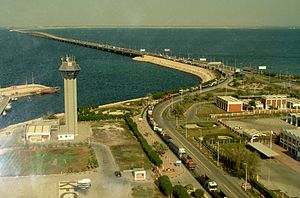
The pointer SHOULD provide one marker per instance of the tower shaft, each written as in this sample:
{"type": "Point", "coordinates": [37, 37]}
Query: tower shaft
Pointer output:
{"type": "Point", "coordinates": [69, 70]}
{"type": "Point", "coordinates": [70, 97]}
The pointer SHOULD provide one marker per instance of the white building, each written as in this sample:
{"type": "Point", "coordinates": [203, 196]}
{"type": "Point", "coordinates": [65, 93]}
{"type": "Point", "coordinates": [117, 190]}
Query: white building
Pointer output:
{"type": "Point", "coordinates": [290, 140]}
{"type": "Point", "coordinates": [229, 103]}
{"type": "Point", "coordinates": [38, 133]}
{"type": "Point", "coordinates": [293, 103]}
{"type": "Point", "coordinates": [293, 118]}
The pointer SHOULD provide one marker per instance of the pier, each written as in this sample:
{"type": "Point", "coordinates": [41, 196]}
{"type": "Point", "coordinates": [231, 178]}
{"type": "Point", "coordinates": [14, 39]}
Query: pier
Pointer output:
{"type": "Point", "coordinates": [3, 103]}
{"type": "Point", "coordinates": [26, 90]}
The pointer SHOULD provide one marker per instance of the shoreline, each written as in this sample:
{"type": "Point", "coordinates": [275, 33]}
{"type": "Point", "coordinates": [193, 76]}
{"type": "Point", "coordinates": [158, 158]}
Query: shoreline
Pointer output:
{"type": "Point", "coordinates": [12, 126]}
{"type": "Point", "coordinates": [204, 74]}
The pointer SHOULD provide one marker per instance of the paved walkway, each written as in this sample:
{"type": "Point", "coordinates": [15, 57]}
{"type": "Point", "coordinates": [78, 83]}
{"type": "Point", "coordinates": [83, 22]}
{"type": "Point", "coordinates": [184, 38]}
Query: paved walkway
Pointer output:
{"type": "Point", "coordinates": [286, 159]}
{"type": "Point", "coordinates": [178, 175]}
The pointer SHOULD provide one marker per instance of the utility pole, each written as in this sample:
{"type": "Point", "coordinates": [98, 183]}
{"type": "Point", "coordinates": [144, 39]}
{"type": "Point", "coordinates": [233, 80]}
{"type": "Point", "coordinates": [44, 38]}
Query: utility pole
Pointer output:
{"type": "Point", "coordinates": [181, 97]}
{"type": "Point", "coordinates": [200, 140]}
{"type": "Point", "coordinates": [218, 160]}
{"type": "Point", "coordinates": [271, 133]}
{"type": "Point", "coordinates": [246, 179]}
{"type": "Point", "coordinates": [186, 135]}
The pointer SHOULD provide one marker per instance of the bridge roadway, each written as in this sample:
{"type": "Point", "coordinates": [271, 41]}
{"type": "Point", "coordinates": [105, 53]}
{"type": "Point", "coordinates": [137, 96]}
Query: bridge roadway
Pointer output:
{"type": "Point", "coordinates": [103, 47]}
{"type": "Point", "coordinates": [129, 52]}
{"type": "Point", "coordinates": [229, 185]}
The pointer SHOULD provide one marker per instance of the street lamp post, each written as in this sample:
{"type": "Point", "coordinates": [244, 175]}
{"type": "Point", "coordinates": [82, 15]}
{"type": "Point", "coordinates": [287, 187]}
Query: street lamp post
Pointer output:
{"type": "Point", "coordinates": [246, 179]}
{"type": "Point", "coordinates": [218, 160]}
{"type": "Point", "coordinates": [186, 129]}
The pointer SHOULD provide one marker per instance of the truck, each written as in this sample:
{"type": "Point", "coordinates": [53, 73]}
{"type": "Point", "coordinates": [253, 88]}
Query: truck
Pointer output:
{"type": "Point", "coordinates": [167, 139]}
{"type": "Point", "coordinates": [177, 150]}
{"type": "Point", "coordinates": [157, 128]}
{"type": "Point", "coordinates": [188, 162]}
{"type": "Point", "coordinates": [84, 184]}
{"type": "Point", "coordinates": [207, 183]}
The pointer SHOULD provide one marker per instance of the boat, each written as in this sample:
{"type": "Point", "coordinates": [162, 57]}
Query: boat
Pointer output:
{"type": "Point", "coordinates": [48, 90]}
{"type": "Point", "coordinates": [8, 107]}
{"type": "Point", "coordinates": [4, 113]}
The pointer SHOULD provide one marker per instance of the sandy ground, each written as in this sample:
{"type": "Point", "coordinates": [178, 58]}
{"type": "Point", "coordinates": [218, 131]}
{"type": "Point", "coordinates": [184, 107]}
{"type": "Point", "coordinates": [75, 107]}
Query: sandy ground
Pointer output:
{"type": "Point", "coordinates": [204, 74]}
{"type": "Point", "coordinates": [21, 90]}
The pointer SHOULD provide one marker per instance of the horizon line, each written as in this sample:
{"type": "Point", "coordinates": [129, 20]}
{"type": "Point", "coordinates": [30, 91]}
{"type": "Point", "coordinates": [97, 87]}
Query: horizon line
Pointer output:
{"type": "Point", "coordinates": [153, 26]}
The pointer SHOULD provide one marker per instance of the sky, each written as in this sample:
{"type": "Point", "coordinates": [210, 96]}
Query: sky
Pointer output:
{"type": "Point", "coordinates": [220, 13]}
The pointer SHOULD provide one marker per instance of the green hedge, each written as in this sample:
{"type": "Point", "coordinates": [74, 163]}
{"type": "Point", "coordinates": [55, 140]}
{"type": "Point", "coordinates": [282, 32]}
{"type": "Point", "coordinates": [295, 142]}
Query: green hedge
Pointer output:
{"type": "Point", "coordinates": [261, 188]}
{"type": "Point", "coordinates": [180, 192]}
{"type": "Point", "coordinates": [94, 117]}
{"type": "Point", "coordinates": [165, 185]}
{"type": "Point", "coordinates": [152, 155]}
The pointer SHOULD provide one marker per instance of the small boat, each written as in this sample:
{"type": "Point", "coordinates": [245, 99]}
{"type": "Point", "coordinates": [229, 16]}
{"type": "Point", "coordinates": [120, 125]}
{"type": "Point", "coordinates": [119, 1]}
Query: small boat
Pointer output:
{"type": "Point", "coordinates": [14, 99]}
{"type": "Point", "coordinates": [4, 113]}
{"type": "Point", "coordinates": [8, 107]}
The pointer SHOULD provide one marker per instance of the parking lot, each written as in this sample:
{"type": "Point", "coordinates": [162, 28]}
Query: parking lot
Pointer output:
{"type": "Point", "coordinates": [280, 172]}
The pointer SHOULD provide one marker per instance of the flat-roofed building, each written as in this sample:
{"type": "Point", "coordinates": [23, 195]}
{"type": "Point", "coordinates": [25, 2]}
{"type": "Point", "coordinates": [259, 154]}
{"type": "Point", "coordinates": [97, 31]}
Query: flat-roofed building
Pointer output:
{"type": "Point", "coordinates": [293, 118]}
{"type": "Point", "coordinates": [38, 133]}
{"type": "Point", "coordinates": [290, 140]}
{"type": "Point", "coordinates": [293, 103]}
{"type": "Point", "coordinates": [229, 103]}
{"type": "Point", "coordinates": [247, 105]}
{"type": "Point", "coordinates": [274, 101]}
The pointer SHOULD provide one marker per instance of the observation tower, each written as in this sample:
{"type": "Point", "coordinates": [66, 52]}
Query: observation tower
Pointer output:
{"type": "Point", "coordinates": [69, 70]}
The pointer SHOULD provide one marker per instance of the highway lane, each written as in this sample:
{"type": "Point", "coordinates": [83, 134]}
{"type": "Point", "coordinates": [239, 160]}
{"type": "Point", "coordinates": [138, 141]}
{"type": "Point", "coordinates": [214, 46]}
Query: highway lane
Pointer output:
{"type": "Point", "coordinates": [228, 184]}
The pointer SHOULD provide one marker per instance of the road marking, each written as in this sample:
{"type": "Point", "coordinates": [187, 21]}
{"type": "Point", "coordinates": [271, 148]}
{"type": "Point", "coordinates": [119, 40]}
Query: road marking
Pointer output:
{"type": "Point", "coordinates": [224, 186]}
{"type": "Point", "coordinates": [66, 189]}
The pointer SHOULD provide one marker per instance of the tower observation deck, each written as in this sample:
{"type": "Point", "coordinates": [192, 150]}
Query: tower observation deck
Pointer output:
{"type": "Point", "coordinates": [69, 70]}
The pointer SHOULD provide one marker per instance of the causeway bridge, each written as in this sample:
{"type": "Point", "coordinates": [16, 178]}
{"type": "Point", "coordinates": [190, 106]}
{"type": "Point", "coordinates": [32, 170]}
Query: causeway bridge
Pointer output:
{"type": "Point", "coordinates": [224, 69]}
{"type": "Point", "coordinates": [103, 47]}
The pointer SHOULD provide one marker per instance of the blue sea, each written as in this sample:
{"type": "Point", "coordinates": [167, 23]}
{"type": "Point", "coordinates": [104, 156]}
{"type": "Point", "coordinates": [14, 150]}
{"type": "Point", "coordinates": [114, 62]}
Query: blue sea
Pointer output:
{"type": "Point", "coordinates": [107, 77]}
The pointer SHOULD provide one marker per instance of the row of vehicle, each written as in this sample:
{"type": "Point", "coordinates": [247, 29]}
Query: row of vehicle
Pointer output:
{"type": "Point", "coordinates": [210, 186]}
{"type": "Point", "coordinates": [178, 151]}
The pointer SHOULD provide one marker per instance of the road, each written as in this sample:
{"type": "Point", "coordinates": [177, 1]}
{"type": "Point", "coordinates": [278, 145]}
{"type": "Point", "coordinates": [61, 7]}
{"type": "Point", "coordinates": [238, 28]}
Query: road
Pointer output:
{"type": "Point", "coordinates": [230, 185]}
{"type": "Point", "coordinates": [104, 182]}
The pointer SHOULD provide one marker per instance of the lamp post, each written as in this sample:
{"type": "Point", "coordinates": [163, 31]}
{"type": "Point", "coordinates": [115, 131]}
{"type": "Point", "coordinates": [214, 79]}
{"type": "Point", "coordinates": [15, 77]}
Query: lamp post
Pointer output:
{"type": "Point", "coordinates": [186, 129]}
{"type": "Point", "coordinates": [218, 160]}
{"type": "Point", "coordinates": [246, 179]}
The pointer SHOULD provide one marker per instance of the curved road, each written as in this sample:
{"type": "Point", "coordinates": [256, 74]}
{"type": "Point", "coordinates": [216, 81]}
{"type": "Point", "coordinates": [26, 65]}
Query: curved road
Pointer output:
{"type": "Point", "coordinates": [230, 185]}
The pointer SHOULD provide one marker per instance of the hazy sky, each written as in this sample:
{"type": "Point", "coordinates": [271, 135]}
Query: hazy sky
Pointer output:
{"type": "Point", "coordinates": [150, 12]}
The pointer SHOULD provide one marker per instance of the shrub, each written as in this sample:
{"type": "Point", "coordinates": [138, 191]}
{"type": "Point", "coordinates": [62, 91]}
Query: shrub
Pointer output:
{"type": "Point", "coordinates": [165, 185]}
{"type": "Point", "coordinates": [198, 193]}
{"type": "Point", "coordinates": [152, 155]}
{"type": "Point", "coordinates": [180, 192]}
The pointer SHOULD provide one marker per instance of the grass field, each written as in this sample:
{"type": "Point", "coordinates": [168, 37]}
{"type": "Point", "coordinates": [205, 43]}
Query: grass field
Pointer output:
{"type": "Point", "coordinates": [130, 156]}
{"type": "Point", "coordinates": [40, 161]}
{"type": "Point", "coordinates": [206, 109]}
{"type": "Point", "coordinates": [149, 192]}
{"type": "Point", "coordinates": [125, 148]}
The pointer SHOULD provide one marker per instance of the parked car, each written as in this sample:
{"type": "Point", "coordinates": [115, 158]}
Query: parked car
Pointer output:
{"type": "Point", "coordinates": [118, 174]}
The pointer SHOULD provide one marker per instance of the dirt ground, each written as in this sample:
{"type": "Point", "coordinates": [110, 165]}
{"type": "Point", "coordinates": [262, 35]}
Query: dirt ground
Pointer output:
{"type": "Point", "coordinates": [111, 133]}
{"type": "Point", "coordinates": [125, 148]}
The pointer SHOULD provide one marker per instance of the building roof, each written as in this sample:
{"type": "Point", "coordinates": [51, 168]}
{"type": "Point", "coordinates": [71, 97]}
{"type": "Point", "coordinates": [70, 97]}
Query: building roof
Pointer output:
{"type": "Point", "coordinates": [38, 129]}
{"type": "Point", "coordinates": [297, 115]}
{"type": "Point", "coordinates": [281, 96]}
{"type": "Point", "coordinates": [294, 101]}
{"type": "Point", "coordinates": [253, 132]}
{"type": "Point", "coordinates": [230, 99]}
{"type": "Point", "coordinates": [263, 149]}
{"type": "Point", "coordinates": [294, 132]}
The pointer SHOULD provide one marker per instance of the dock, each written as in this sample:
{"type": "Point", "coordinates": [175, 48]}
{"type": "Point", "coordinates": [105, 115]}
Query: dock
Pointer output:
{"type": "Point", "coordinates": [3, 103]}
{"type": "Point", "coordinates": [26, 90]}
